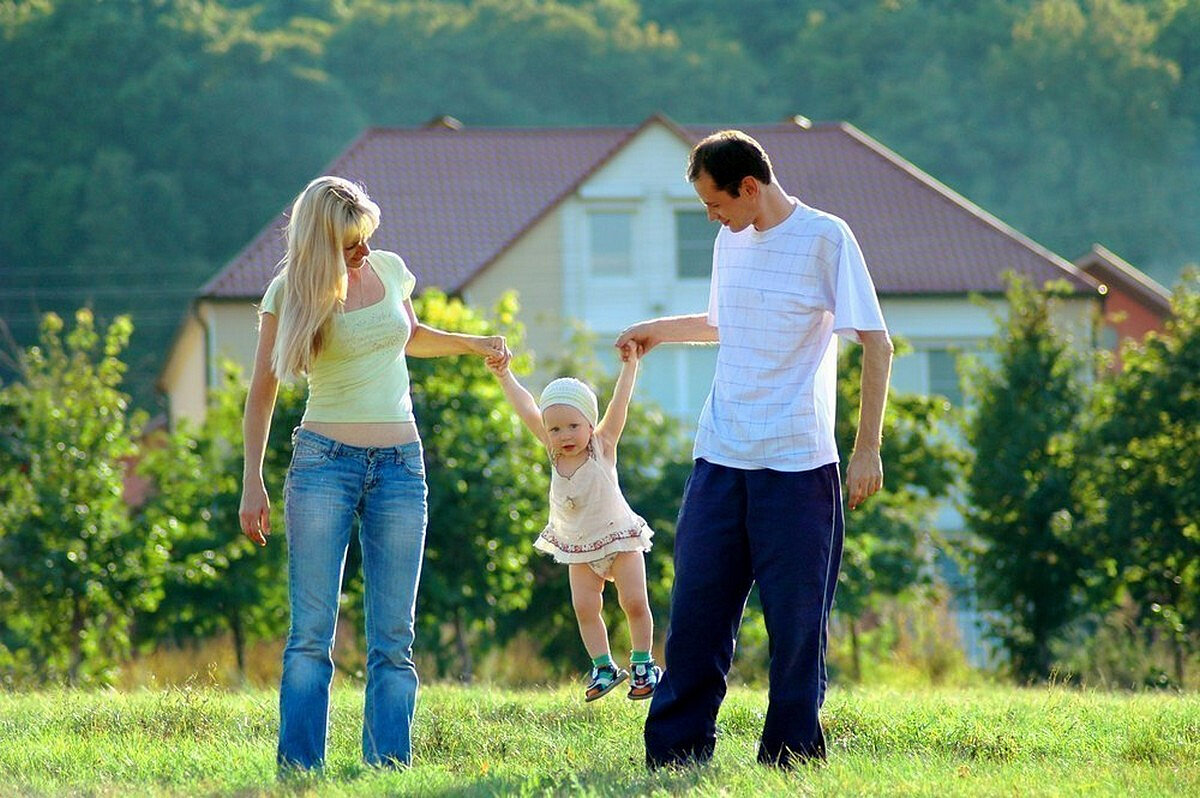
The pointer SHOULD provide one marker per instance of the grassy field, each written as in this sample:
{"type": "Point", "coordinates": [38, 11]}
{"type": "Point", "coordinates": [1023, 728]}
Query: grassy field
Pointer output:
{"type": "Point", "coordinates": [479, 741]}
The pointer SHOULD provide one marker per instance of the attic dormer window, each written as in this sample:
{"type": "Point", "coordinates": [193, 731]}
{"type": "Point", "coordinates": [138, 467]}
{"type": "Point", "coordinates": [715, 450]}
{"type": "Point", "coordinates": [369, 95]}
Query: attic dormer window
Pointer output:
{"type": "Point", "coordinates": [610, 236]}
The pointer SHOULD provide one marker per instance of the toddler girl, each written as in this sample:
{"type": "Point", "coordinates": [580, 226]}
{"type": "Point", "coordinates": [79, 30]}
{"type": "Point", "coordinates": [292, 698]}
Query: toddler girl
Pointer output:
{"type": "Point", "coordinates": [592, 528]}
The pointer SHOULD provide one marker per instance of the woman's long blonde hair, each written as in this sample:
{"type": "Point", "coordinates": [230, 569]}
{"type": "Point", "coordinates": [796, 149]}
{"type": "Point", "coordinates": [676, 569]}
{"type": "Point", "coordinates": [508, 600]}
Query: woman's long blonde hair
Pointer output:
{"type": "Point", "coordinates": [329, 214]}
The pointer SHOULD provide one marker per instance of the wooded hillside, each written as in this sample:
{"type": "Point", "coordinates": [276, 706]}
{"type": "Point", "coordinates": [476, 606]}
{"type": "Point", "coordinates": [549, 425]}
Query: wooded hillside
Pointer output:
{"type": "Point", "coordinates": [145, 141]}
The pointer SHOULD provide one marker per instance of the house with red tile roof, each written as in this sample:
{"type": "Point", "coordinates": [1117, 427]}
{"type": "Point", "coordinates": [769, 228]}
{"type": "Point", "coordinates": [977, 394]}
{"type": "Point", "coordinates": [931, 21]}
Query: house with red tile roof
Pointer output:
{"type": "Point", "coordinates": [599, 225]}
{"type": "Point", "coordinates": [1134, 303]}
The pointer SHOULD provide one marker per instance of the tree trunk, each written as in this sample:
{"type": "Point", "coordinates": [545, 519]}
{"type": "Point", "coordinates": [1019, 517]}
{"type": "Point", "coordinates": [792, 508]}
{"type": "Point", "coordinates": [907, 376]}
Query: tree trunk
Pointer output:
{"type": "Point", "coordinates": [855, 655]}
{"type": "Point", "coordinates": [239, 643]}
{"type": "Point", "coordinates": [1179, 660]}
{"type": "Point", "coordinates": [77, 621]}
{"type": "Point", "coordinates": [466, 669]}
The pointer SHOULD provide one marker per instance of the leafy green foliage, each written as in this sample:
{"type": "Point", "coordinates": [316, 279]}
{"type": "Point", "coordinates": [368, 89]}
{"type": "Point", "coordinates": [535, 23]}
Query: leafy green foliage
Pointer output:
{"type": "Point", "coordinates": [485, 491]}
{"type": "Point", "coordinates": [216, 580]}
{"type": "Point", "coordinates": [1032, 109]}
{"type": "Point", "coordinates": [144, 143]}
{"type": "Point", "coordinates": [72, 566]}
{"type": "Point", "coordinates": [889, 549]}
{"type": "Point", "coordinates": [523, 62]}
{"type": "Point", "coordinates": [1021, 505]}
{"type": "Point", "coordinates": [1145, 465]}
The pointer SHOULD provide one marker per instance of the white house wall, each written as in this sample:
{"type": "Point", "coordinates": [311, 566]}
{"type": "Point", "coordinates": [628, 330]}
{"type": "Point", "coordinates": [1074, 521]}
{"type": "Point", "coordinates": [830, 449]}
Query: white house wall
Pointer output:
{"type": "Point", "coordinates": [215, 331]}
{"type": "Point", "coordinates": [647, 179]}
{"type": "Point", "coordinates": [958, 323]}
{"type": "Point", "coordinates": [233, 331]}
{"type": "Point", "coordinates": [532, 268]}
{"type": "Point", "coordinates": [184, 379]}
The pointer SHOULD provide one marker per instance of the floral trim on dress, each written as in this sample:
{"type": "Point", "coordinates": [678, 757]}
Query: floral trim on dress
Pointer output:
{"type": "Point", "coordinates": [595, 545]}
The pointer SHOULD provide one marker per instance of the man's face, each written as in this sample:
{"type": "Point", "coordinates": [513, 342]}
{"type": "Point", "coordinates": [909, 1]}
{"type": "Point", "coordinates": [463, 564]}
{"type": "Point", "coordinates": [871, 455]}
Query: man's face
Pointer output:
{"type": "Point", "coordinates": [736, 213]}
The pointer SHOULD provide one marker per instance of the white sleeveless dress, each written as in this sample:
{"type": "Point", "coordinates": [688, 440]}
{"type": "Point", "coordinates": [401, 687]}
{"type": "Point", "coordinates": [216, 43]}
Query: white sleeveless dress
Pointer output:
{"type": "Point", "coordinates": [590, 521]}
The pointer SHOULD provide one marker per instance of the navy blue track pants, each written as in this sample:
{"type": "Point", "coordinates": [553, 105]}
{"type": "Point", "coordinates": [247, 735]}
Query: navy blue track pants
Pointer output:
{"type": "Point", "coordinates": [783, 530]}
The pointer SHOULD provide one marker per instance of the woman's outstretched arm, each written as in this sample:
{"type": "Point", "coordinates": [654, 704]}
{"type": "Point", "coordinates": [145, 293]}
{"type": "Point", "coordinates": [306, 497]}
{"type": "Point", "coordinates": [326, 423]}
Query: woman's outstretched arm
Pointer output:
{"type": "Point", "coordinates": [427, 341]}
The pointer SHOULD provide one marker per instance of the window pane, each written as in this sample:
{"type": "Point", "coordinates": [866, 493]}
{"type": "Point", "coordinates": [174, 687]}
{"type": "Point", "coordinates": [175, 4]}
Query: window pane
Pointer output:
{"type": "Point", "coordinates": [943, 375]}
{"type": "Point", "coordinates": [694, 235]}
{"type": "Point", "coordinates": [611, 235]}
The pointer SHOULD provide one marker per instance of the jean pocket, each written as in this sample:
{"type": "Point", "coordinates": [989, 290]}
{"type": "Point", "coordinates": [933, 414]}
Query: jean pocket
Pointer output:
{"type": "Point", "coordinates": [306, 454]}
{"type": "Point", "coordinates": [414, 466]}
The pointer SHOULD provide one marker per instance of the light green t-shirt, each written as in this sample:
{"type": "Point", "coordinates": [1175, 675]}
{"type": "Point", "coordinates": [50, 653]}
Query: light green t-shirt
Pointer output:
{"type": "Point", "coordinates": [361, 373]}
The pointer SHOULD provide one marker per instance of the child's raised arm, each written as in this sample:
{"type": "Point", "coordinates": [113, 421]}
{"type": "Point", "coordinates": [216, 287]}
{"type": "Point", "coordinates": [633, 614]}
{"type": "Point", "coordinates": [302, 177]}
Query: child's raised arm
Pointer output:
{"type": "Point", "coordinates": [609, 430]}
{"type": "Point", "coordinates": [520, 398]}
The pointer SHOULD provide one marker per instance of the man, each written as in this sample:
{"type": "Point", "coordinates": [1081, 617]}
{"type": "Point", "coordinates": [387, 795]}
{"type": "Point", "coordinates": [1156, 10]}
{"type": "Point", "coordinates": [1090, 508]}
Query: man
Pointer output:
{"type": "Point", "coordinates": [763, 502]}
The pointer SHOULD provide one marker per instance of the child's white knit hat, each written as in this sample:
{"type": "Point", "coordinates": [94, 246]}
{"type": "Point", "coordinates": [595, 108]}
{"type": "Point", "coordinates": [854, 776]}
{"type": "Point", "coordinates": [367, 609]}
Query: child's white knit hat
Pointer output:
{"type": "Point", "coordinates": [572, 393]}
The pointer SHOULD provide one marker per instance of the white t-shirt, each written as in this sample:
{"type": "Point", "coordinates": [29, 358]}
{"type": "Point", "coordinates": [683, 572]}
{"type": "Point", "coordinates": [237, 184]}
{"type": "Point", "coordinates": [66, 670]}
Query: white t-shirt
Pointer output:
{"type": "Point", "coordinates": [777, 297]}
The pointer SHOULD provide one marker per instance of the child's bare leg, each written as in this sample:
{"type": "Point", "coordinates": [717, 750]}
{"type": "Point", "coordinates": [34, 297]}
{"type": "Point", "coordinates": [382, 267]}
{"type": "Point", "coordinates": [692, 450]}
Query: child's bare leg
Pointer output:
{"type": "Point", "coordinates": [629, 574]}
{"type": "Point", "coordinates": [587, 597]}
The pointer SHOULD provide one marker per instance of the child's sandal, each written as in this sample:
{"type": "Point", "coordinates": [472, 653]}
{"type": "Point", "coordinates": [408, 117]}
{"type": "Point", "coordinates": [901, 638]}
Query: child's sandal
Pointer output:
{"type": "Point", "coordinates": [645, 679]}
{"type": "Point", "coordinates": [604, 679]}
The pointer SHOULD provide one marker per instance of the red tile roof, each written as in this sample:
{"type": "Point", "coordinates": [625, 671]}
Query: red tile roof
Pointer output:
{"type": "Point", "coordinates": [452, 200]}
{"type": "Point", "coordinates": [918, 235]}
{"type": "Point", "coordinates": [455, 199]}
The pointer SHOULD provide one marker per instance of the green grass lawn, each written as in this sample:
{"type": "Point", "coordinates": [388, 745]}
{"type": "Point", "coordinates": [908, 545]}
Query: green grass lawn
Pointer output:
{"type": "Point", "coordinates": [480, 741]}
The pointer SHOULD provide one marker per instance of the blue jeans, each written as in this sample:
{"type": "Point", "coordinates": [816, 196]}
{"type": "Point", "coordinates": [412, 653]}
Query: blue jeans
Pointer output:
{"type": "Point", "coordinates": [783, 530]}
{"type": "Point", "coordinates": [329, 484]}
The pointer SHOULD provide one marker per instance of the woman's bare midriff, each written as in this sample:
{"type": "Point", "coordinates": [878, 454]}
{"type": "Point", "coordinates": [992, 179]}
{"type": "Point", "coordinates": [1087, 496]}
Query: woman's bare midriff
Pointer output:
{"type": "Point", "coordinates": [382, 433]}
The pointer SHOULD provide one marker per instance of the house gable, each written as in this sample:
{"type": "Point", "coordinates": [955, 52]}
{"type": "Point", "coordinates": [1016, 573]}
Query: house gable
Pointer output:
{"type": "Point", "coordinates": [1134, 304]}
{"type": "Point", "coordinates": [452, 200]}
{"type": "Point", "coordinates": [641, 188]}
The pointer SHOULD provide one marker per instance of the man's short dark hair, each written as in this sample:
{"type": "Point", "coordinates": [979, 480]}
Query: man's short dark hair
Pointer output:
{"type": "Point", "coordinates": [728, 157]}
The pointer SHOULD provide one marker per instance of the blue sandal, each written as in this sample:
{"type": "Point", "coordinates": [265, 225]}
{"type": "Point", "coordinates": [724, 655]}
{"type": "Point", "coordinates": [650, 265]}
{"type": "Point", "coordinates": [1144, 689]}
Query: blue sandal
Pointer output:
{"type": "Point", "coordinates": [604, 679]}
{"type": "Point", "coordinates": [645, 679]}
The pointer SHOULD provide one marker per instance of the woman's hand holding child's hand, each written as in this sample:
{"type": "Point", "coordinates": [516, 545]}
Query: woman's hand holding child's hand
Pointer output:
{"type": "Point", "coordinates": [495, 353]}
{"type": "Point", "coordinates": [489, 346]}
{"type": "Point", "coordinates": [630, 353]}
{"type": "Point", "coordinates": [498, 365]}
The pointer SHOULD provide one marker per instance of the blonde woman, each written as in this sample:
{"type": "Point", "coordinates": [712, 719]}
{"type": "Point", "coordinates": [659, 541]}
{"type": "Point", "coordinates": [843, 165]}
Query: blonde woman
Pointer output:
{"type": "Point", "coordinates": [341, 315]}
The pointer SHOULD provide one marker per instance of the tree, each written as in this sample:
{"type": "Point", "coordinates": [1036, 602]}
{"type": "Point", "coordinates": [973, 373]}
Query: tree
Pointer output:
{"type": "Point", "coordinates": [889, 550]}
{"type": "Point", "coordinates": [72, 567]}
{"type": "Point", "coordinates": [1021, 507]}
{"type": "Point", "coordinates": [143, 144]}
{"type": "Point", "coordinates": [483, 60]}
{"type": "Point", "coordinates": [215, 579]}
{"type": "Point", "coordinates": [483, 491]}
{"type": "Point", "coordinates": [1143, 472]}
{"type": "Point", "coordinates": [1083, 80]}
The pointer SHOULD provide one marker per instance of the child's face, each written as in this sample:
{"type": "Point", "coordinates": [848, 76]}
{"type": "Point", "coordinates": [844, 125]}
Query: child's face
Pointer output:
{"type": "Point", "coordinates": [568, 429]}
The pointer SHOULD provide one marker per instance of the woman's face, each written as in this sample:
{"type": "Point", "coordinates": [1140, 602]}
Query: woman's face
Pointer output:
{"type": "Point", "coordinates": [356, 253]}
